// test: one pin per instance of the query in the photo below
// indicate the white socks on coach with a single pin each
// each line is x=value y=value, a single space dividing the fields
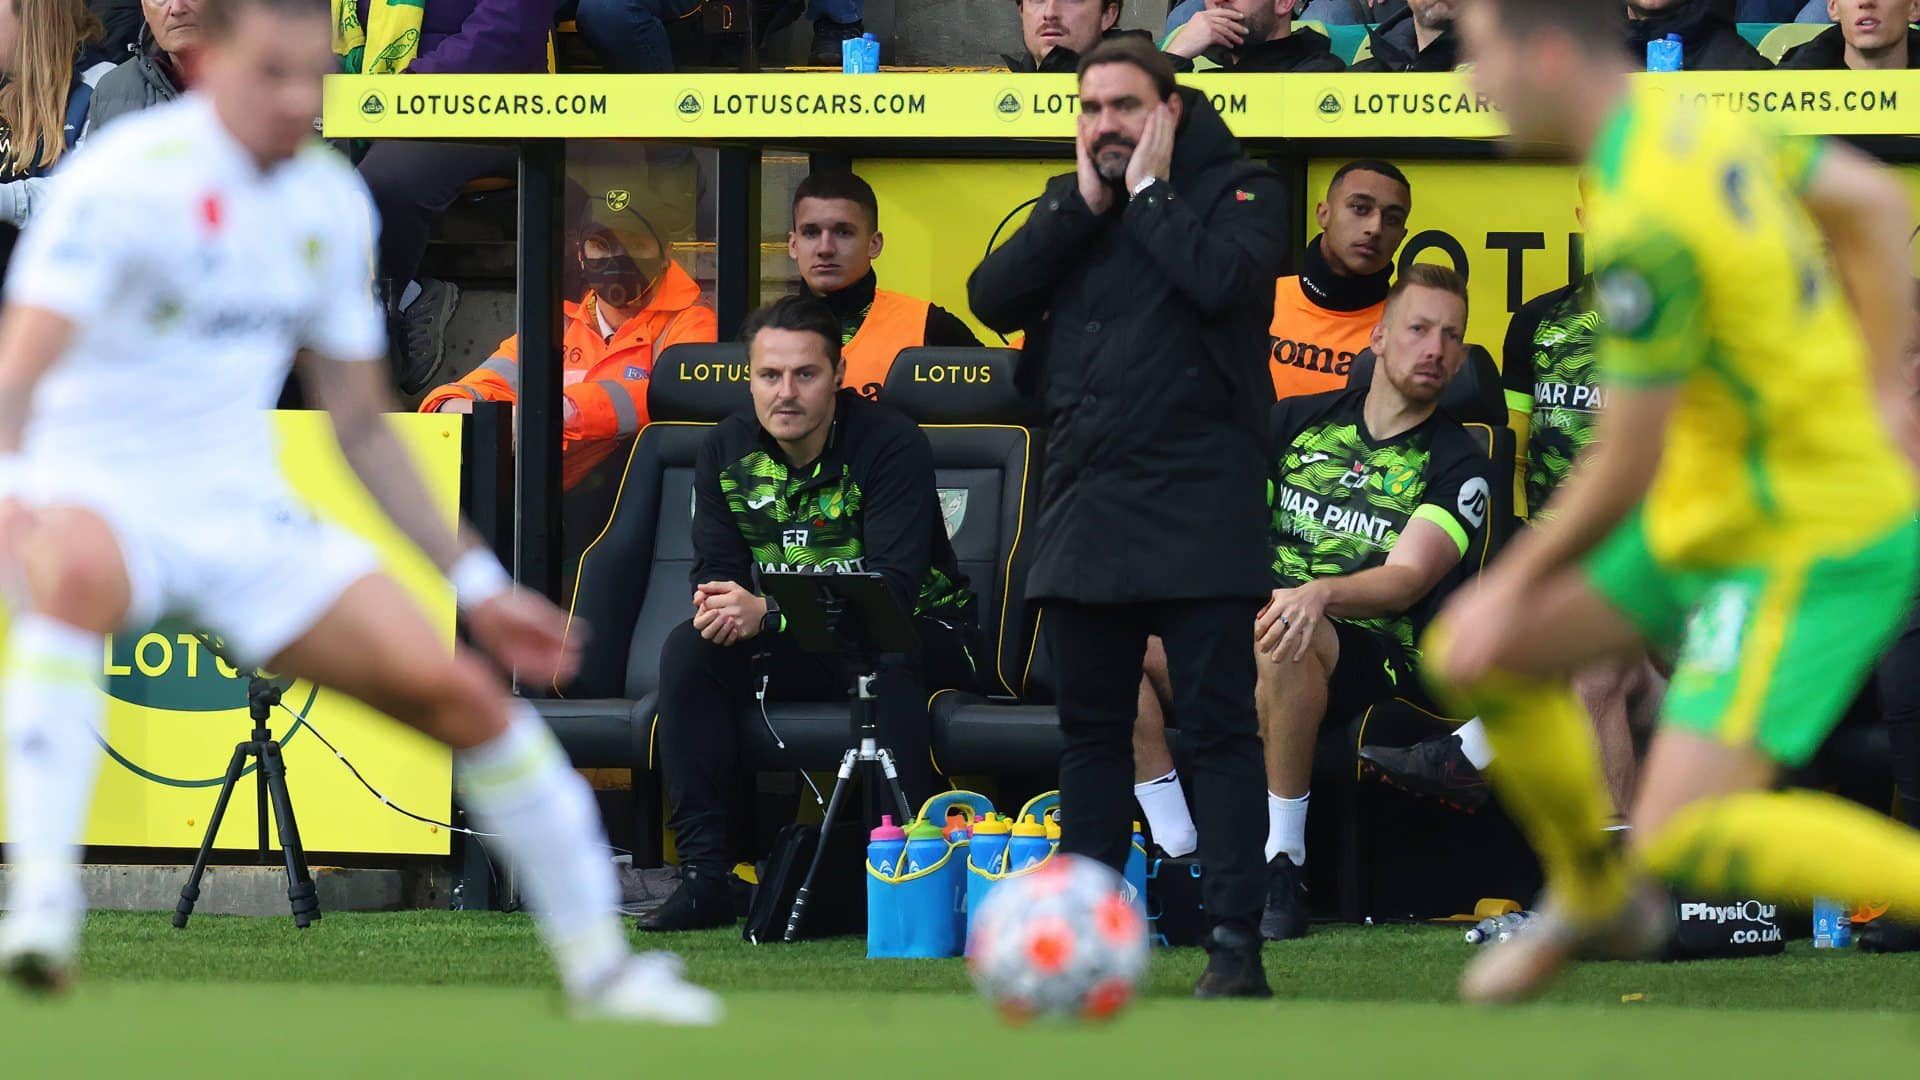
x=1474 y=744
x=542 y=817
x=1164 y=802
x=1287 y=828
x=50 y=706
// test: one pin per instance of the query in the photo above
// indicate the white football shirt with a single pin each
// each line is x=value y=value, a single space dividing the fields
x=191 y=277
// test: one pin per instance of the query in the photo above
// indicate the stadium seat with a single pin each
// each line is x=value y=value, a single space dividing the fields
x=1778 y=40
x=631 y=586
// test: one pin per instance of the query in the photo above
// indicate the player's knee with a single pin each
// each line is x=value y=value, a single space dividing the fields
x=457 y=701
x=80 y=587
x=685 y=651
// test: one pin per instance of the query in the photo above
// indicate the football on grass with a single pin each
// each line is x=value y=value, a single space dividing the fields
x=1062 y=941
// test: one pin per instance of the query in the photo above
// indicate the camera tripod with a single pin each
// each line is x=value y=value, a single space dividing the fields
x=270 y=783
x=854 y=617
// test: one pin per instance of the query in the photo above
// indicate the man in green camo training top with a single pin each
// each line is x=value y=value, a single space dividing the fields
x=1554 y=395
x=812 y=480
x=1378 y=497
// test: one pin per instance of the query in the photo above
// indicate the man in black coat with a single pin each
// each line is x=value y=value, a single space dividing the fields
x=1144 y=283
x=1709 y=40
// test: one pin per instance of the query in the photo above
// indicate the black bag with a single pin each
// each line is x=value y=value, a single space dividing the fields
x=1176 y=915
x=1720 y=929
x=837 y=906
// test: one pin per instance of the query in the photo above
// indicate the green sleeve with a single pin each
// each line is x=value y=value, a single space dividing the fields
x=1799 y=157
x=1651 y=301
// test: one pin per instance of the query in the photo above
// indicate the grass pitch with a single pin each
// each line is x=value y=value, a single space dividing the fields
x=446 y=993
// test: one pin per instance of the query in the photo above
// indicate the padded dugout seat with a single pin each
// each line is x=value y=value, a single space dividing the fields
x=632 y=586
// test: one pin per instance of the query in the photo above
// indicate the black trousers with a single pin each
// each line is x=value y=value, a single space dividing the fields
x=412 y=184
x=706 y=698
x=1898 y=680
x=1097 y=650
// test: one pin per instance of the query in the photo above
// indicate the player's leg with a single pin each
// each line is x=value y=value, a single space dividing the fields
x=1605 y=690
x=78 y=590
x=1156 y=784
x=373 y=644
x=1768 y=670
x=1211 y=669
x=1546 y=767
x=1290 y=699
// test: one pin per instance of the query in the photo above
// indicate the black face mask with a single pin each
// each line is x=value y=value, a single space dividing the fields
x=620 y=280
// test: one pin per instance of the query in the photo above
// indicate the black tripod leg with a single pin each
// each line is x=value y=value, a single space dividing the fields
x=893 y=781
x=820 y=850
x=300 y=891
x=190 y=892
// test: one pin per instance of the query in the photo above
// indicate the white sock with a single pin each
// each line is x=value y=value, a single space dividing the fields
x=409 y=295
x=1287 y=828
x=50 y=706
x=541 y=813
x=1164 y=803
x=1474 y=744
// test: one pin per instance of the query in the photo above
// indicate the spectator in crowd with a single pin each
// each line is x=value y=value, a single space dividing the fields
x=1871 y=35
x=835 y=238
x=638 y=304
x=1325 y=315
x=1709 y=40
x=413 y=182
x=120 y=22
x=1379 y=496
x=1250 y=36
x=1058 y=33
x=1420 y=38
x=629 y=36
x=1143 y=281
x=877 y=511
x=50 y=62
x=1814 y=12
x=158 y=72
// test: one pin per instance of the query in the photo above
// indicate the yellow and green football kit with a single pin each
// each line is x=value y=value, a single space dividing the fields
x=1776 y=548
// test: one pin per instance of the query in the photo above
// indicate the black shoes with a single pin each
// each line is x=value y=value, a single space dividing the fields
x=1883 y=935
x=420 y=335
x=704 y=901
x=827 y=36
x=1286 y=915
x=1233 y=967
x=1435 y=769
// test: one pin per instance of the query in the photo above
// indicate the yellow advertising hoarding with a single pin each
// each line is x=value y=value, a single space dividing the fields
x=175 y=711
x=990 y=105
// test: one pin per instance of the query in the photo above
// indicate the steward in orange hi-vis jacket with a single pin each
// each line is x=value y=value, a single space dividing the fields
x=638 y=304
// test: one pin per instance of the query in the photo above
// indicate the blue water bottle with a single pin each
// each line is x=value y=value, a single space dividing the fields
x=989 y=845
x=885 y=846
x=1136 y=869
x=860 y=56
x=1664 y=54
x=1832 y=924
x=1029 y=847
x=925 y=846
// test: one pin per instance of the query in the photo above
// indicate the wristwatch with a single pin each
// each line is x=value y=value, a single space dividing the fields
x=772 y=622
x=1141 y=187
